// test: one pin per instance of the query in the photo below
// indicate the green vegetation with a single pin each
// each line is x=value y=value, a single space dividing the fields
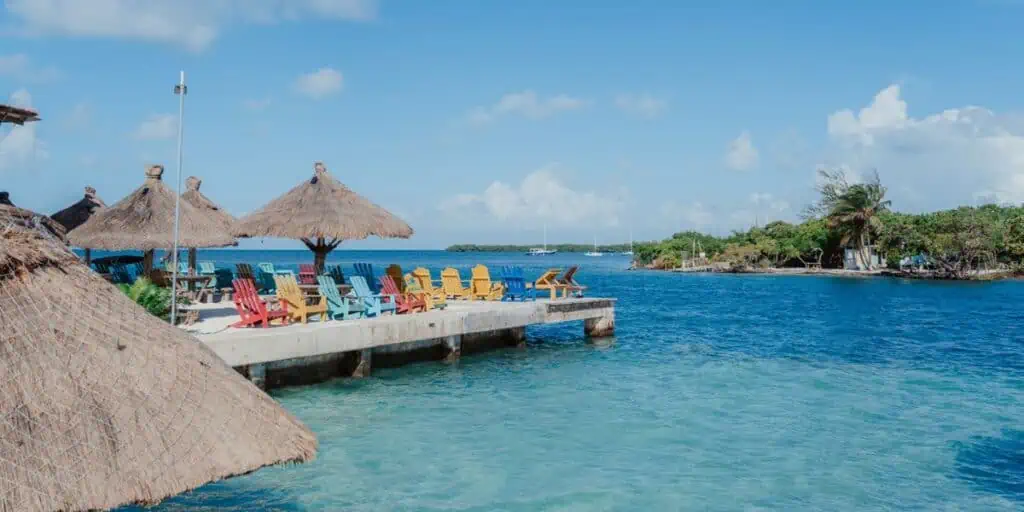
x=524 y=248
x=154 y=299
x=954 y=243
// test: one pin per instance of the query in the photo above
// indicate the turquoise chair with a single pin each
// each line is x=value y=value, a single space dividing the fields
x=374 y=303
x=365 y=270
x=338 y=305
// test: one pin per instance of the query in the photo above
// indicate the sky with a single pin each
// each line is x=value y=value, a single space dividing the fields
x=484 y=122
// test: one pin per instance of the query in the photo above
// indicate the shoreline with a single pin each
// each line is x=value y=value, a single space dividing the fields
x=986 y=275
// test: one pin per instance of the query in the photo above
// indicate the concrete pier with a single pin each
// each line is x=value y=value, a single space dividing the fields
x=304 y=354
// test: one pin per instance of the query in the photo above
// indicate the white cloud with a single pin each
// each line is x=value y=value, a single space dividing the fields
x=541 y=197
x=527 y=104
x=643 y=105
x=693 y=216
x=20 y=68
x=320 y=83
x=256 y=104
x=942 y=160
x=742 y=155
x=157 y=127
x=191 y=23
x=19 y=145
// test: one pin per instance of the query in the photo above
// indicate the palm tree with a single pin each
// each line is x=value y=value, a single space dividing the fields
x=854 y=214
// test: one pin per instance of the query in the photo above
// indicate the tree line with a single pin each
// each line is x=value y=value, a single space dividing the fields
x=525 y=248
x=954 y=243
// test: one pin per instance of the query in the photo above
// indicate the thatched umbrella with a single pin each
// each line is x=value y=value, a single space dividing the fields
x=144 y=220
x=105 y=404
x=322 y=212
x=206 y=207
x=76 y=214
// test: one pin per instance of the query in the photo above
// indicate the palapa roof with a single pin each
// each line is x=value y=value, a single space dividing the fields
x=76 y=214
x=205 y=206
x=322 y=207
x=17 y=115
x=5 y=198
x=104 y=404
x=144 y=220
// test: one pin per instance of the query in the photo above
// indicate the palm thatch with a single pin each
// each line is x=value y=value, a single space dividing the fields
x=205 y=206
x=104 y=404
x=321 y=211
x=76 y=214
x=5 y=198
x=144 y=220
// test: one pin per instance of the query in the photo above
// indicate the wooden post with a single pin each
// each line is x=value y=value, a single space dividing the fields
x=192 y=260
x=88 y=256
x=147 y=263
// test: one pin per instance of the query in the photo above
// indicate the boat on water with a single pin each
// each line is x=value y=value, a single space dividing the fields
x=595 y=252
x=630 y=251
x=542 y=251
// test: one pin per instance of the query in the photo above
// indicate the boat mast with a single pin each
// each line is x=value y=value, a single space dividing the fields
x=545 y=236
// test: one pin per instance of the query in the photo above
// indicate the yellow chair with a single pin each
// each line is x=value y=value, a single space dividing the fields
x=451 y=283
x=295 y=301
x=549 y=281
x=412 y=286
x=481 y=286
x=395 y=271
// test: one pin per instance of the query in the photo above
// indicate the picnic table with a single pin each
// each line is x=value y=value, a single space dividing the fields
x=189 y=282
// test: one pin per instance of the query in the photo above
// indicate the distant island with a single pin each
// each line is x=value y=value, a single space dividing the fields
x=523 y=248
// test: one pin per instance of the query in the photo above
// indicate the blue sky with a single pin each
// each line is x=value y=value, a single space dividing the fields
x=483 y=121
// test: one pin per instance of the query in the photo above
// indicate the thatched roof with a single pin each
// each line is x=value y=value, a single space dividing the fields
x=104 y=404
x=322 y=207
x=145 y=220
x=17 y=115
x=5 y=198
x=76 y=214
x=207 y=207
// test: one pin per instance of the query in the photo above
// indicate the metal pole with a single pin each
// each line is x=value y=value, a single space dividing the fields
x=180 y=90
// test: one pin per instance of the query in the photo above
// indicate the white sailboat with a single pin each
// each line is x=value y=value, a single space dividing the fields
x=630 y=251
x=538 y=251
x=595 y=252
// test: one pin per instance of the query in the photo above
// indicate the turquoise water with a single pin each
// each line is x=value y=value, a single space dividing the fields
x=717 y=393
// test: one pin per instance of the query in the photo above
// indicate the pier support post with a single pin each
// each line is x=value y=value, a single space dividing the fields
x=364 y=365
x=599 y=327
x=517 y=337
x=258 y=375
x=453 y=348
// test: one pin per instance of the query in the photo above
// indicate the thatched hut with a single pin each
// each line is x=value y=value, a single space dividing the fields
x=205 y=206
x=105 y=404
x=144 y=220
x=76 y=214
x=322 y=212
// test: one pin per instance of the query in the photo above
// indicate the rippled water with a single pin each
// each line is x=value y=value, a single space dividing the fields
x=718 y=393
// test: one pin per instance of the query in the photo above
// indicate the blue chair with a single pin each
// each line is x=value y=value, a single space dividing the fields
x=516 y=287
x=338 y=305
x=374 y=304
x=365 y=270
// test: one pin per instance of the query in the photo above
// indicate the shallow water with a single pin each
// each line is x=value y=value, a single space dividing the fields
x=717 y=393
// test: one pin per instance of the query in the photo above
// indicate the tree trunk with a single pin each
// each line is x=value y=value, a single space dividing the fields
x=319 y=258
x=862 y=249
x=147 y=263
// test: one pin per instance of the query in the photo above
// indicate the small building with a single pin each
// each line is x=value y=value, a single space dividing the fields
x=853 y=259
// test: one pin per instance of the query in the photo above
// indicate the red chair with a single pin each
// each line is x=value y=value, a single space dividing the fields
x=404 y=302
x=251 y=308
x=307 y=273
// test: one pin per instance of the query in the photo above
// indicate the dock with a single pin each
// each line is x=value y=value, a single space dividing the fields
x=304 y=354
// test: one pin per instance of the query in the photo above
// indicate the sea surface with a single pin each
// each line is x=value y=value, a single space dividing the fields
x=718 y=392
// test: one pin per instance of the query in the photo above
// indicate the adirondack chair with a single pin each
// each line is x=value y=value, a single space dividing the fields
x=549 y=281
x=119 y=274
x=207 y=268
x=265 y=277
x=451 y=283
x=516 y=287
x=412 y=287
x=426 y=284
x=252 y=309
x=395 y=271
x=481 y=286
x=374 y=304
x=338 y=305
x=298 y=306
x=101 y=267
x=244 y=271
x=307 y=273
x=365 y=270
x=336 y=273
x=404 y=302
x=569 y=280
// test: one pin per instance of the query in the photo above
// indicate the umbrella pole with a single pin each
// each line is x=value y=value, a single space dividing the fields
x=147 y=263
x=320 y=251
x=192 y=260
x=88 y=256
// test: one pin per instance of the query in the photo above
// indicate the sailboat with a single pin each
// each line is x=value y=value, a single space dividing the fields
x=538 y=251
x=595 y=252
x=630 y=251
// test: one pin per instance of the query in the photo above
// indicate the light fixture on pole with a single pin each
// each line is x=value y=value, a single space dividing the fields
x=180 y=90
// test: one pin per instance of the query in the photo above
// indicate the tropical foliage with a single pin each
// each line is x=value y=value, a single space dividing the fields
x=154 y=299
x=954 y=243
